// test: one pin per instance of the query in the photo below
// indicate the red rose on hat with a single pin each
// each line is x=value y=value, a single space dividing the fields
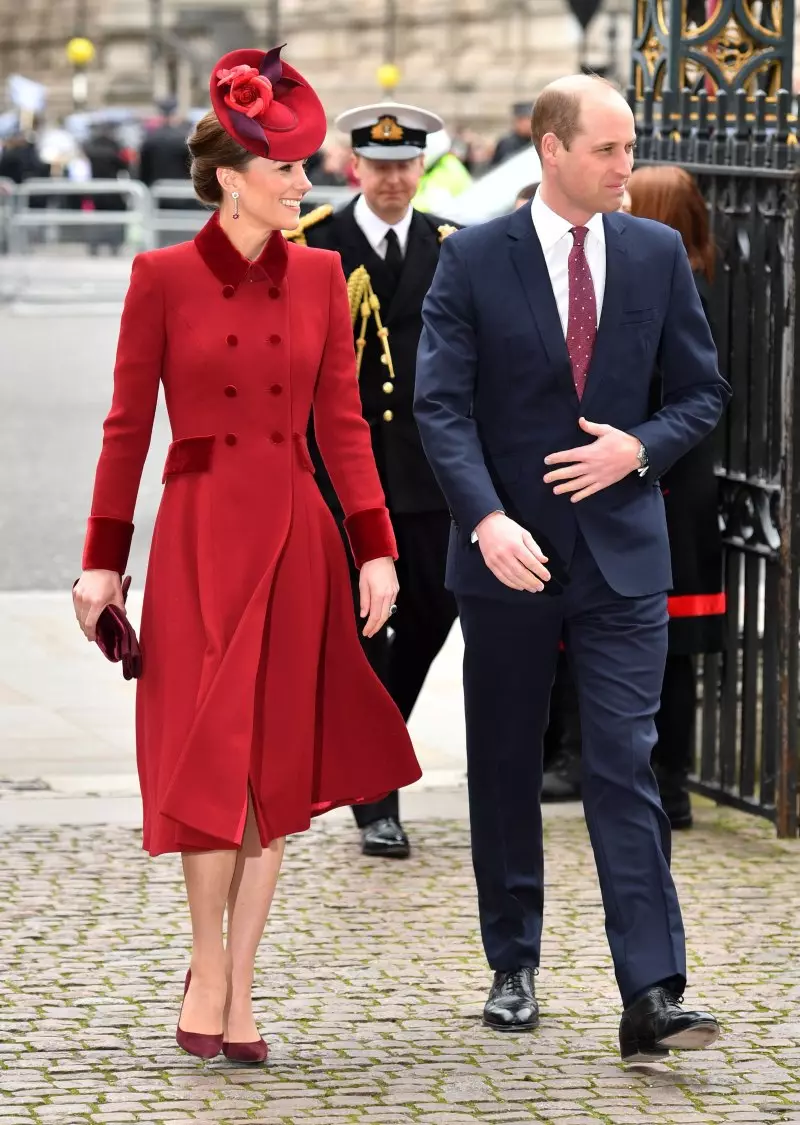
x=248 y=91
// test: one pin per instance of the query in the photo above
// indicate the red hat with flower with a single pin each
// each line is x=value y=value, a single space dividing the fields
x=267 y=106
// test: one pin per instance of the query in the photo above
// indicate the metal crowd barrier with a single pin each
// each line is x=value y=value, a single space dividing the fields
x=51 y=214
x=37 y=208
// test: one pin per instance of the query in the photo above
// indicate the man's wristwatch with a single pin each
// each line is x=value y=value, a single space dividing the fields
x=643 y=459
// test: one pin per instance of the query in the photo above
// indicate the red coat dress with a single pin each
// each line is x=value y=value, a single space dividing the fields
x=253 y=675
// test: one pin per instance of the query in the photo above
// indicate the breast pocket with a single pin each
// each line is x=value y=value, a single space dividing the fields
x=633 y=317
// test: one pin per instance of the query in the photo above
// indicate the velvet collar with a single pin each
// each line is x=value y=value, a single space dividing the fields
x=228 y=265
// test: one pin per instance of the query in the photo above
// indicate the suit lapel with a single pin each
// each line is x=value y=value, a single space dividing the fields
x=419 y=266
x=608 y=329
x=528 y=259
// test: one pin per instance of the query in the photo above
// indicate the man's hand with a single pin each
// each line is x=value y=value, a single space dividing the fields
x=511 y=553
x=593 y=467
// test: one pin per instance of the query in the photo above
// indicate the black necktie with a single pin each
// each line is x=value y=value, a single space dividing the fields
x=394 y=255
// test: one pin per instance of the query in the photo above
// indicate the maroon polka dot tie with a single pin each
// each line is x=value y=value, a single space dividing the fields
x=582 y=320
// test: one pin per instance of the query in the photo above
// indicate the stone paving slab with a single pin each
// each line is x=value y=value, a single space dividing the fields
x=370 y=986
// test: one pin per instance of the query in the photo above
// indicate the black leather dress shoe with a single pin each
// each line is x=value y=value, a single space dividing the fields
x=655 y=1024
x=675 y=800
x=512 y=1002
x=561 y=780
x=385 y=837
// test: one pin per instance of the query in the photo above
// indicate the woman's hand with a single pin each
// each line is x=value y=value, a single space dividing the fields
x=95 y=590
x=378 y=586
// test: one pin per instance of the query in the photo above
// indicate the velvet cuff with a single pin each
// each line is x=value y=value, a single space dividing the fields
x=371 y=535
x=108 y=544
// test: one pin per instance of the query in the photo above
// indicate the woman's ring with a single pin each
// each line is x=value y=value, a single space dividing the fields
x=392 y=610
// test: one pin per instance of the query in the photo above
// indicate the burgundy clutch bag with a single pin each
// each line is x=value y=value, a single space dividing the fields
x=116 y=638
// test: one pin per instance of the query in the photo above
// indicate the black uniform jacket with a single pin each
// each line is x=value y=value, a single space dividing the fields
x=387 y=404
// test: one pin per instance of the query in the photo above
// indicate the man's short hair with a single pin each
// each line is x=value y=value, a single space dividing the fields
x=558 y=111
x=528 y=191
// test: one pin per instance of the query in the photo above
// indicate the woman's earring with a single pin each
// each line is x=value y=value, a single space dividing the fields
x=235 y=198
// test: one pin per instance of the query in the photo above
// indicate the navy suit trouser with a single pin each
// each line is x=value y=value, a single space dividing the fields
x=617 y=648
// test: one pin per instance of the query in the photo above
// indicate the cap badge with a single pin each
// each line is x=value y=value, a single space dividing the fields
x=387 y=129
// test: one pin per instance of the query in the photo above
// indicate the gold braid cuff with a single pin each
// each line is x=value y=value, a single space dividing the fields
x=364 y=302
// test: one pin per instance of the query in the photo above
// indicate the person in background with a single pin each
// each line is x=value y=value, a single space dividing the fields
x=164 y=155
x=20 y=160
x=697 y=601
x=525 y=195
x=106 y=162
x=519 y=137
x=445 y=175
x=389 y=252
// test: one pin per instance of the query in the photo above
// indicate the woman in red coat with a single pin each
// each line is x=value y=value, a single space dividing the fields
x=256 y=708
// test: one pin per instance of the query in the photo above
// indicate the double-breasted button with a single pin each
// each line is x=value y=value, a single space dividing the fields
x=387 y=415
x=230 y=392
x=230 y=439
x=276 y=389
x=274 y=339
x=231 y=340
x=274 y=292
x=276 y=438
x=228 y=291
x=388 y=388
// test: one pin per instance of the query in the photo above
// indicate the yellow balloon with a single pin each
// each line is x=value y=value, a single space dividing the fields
x=388 y=76
x=80 y=51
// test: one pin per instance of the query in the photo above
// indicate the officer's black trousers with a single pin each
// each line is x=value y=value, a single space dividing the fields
x=425 y=615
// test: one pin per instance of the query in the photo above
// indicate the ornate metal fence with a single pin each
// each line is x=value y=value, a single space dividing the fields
x=743 y=151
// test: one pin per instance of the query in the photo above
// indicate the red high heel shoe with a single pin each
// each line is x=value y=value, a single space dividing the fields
x=250 y=1053
x=202 y=1046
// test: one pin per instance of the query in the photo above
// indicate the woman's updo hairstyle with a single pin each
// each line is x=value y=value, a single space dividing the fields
x=212 y=148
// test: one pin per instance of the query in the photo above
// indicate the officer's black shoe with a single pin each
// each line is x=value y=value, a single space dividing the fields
x=675 y=800
x=512 y=1002
x=385 y=837
x=561 y=780
x=655 y=1024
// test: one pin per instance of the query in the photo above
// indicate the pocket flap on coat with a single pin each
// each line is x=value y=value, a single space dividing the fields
x=188 y=455
x=303 y=452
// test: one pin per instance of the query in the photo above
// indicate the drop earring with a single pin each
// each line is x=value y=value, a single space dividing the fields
x=235 y=198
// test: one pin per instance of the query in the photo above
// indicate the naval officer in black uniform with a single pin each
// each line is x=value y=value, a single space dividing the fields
x=389 y=254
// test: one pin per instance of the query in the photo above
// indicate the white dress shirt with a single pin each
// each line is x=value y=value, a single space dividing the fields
x=553 y=233
x=375 y=228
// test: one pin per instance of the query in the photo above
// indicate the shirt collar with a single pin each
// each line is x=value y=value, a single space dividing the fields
x=551 y=228
x=375 y=228
x=228 y=265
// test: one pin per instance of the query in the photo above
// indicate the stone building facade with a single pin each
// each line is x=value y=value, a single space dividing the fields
x=468 y=59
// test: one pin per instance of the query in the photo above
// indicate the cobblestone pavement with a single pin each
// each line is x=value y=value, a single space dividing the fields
x=370 y=987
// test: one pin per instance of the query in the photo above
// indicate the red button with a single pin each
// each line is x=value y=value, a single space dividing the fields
x=228 y=291
x=230 y=392
x=274 y=292
x=276 y=389
x=277 y=438
x=230 y=439
x=274 y=339
x=231 y=341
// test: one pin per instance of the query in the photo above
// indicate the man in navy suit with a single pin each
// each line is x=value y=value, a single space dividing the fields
x=541 y=332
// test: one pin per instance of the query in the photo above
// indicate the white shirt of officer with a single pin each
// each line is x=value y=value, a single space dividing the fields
x=375 y=228
x=554 y=234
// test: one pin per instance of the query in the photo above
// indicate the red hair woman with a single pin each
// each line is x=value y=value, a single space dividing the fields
x=670 y=195
x=256 y=707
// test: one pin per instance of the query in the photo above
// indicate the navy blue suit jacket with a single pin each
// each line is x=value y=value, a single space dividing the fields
x=494 y=395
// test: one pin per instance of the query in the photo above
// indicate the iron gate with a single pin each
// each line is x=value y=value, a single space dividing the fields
x=744 y=159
